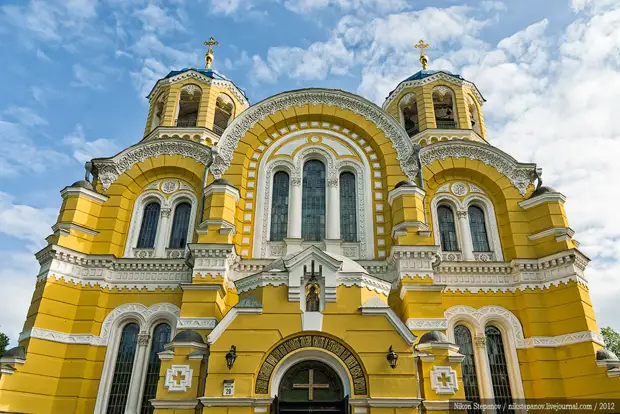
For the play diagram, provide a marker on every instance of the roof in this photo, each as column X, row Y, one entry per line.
column 207, row 72
column 427, row 73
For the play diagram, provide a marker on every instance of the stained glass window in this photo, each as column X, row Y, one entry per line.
column 146, row 239
column 447, row 231
column 313, row 201
column 123, row 368
column 462, row 337
column 279, row 206
column 498, row 368
column 180, row 226
column 348, row 208
column 161, row 336
column 478, row 229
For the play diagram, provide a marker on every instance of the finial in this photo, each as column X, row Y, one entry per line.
column 423, row 57
column 209, row 56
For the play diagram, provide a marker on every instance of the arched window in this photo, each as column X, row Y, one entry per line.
column 445, row 112
column 161, row 336
column 148, row 231
column 473, row 115
column 447, row 230
column 189, row 103
column 279, row 206
column 180, row 226
column 409, row 111
column 498, row 366
column 158, row 111
column 224, row 108
column 462, row 337
column 123, row 368
column 313, row 201
column 478, row 229
column 348, row 208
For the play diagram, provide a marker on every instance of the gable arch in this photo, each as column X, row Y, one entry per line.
column 392, row 130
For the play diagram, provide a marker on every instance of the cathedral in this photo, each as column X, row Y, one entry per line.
column 309, row 253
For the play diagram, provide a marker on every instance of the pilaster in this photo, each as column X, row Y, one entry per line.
column 409, row 226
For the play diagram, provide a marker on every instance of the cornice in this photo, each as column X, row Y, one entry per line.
column 521, row 175
column 543, row 198
column 234, row 401
column 81, row 191
column 560, row 233
column 222, row 188
column 65, row 229
column 107, row 170
column 400, row 191
column 175, row 404
column 379, row 402
column 427, row 324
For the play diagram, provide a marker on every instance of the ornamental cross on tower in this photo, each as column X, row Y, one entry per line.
column 209, row 56
column 423, row 57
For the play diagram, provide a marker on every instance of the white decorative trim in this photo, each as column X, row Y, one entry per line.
column 107, row 170
column 432, row 135
column 450, row 387
column 196, row 323
column 560, row 233
column 379, row 402
column 405, row 190
column 64, row 229
column 437, row 405
column 519, row 174
column 84, row 192
column 175, row 404
column 564, row 340
column 222, row 188
column 481, row 317
column 234, row 401
column 427, row 324
column 374, row 306
column 228, row 319
column 393, row 131
column 543, row 198
column 183, row 383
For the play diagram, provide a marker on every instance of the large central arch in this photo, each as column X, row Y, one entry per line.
column 392, row 130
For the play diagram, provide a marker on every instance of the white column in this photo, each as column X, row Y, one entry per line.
column 294, row 210
column 163, row 233
column 332, row 219
column 483, row 369
column 467, row 246
column 134, row 397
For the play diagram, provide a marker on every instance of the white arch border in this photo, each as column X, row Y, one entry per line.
column 111, row 329
column 309, row 355
column 512, row 336
column 363, row 175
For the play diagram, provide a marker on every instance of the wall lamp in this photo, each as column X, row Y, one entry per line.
column 392, row 357
column 231, row 356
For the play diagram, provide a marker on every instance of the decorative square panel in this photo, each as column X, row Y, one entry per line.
column 443, row 380
column 178, row 378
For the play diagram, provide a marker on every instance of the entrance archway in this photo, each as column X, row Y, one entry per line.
column 310, row 387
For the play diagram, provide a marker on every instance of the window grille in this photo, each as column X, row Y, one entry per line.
column 498, row 368
column 348, row 208
column 161, row 336
column 123, row 369
column 279, row 206
column 180, row 226
column 462, row 337
column 447, row 230
column 313, row 201
column 146, row 239
column 478, row 229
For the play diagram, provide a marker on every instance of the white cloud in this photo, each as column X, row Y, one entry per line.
column 25, row 222
column 376, row 6
column 157, row 19
column 84, row 150
column 87, row 78
column 24, row 116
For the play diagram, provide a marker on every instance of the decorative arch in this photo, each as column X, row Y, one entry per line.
column 393, row 131
column 487, row 208
column 338, row 354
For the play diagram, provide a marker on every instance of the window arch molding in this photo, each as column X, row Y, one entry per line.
column 268, row 166
column 475, row 123
column 111, row 330
column 409, row 99
column 512, row 335
column 454, row 204
column 443, row 91
column 167, row 206
column 483, row 202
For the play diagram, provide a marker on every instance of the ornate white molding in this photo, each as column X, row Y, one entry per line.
column 64, row 229
column 520, row 175
column 443, row 380
column 427, row 324
column 178, row 378
column 564, row 340
column 81, row 191
column 174, row 404
column 400, row 191
column 374, row 306
column 543, row 198
column 483, row 316
column 560, row 233
column 344, row 100
column 235, row 401
column 107, row 170
column 359, row 403
column 196, row 323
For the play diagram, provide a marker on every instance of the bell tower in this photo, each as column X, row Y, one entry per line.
column 437, row 105
column 194, row 103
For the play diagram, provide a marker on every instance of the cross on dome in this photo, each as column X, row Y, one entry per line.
column 209, row 56
column 423, row 57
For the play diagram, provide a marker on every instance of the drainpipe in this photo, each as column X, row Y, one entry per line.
column 416, row 359
column 204, row 372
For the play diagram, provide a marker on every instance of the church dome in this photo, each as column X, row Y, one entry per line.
column 542, row 190
column 209, row 73
column 404, row 184
column 83, row 184
column 433, row 337
column 188, row 336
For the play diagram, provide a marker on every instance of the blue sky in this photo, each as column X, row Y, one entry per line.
column 76, row 73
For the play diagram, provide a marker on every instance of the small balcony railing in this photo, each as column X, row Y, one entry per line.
column 186, row 123
column 413, row 131
column 446, row 124
column 218, row 130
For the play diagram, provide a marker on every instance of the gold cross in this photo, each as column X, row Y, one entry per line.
column 423, row 57
column 209, row 56
column 311, row 385
column 178, row 378
column 444, row 379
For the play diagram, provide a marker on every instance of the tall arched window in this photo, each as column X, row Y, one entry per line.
column 473, row 115
column 498, row 366
column 313, row 201
column 224, row 108
column 462, row 337
column 279, row 206
column 447, row 230
column 445, row 112
column 189, row 103
column 123, row 368
column 161, row 336
column 409, row 111
column 478, row 229
column 158, row 111
column 180, row 226
column 148, row 231
column 348, row 207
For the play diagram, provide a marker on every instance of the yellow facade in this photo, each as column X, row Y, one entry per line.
column 449, row 235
